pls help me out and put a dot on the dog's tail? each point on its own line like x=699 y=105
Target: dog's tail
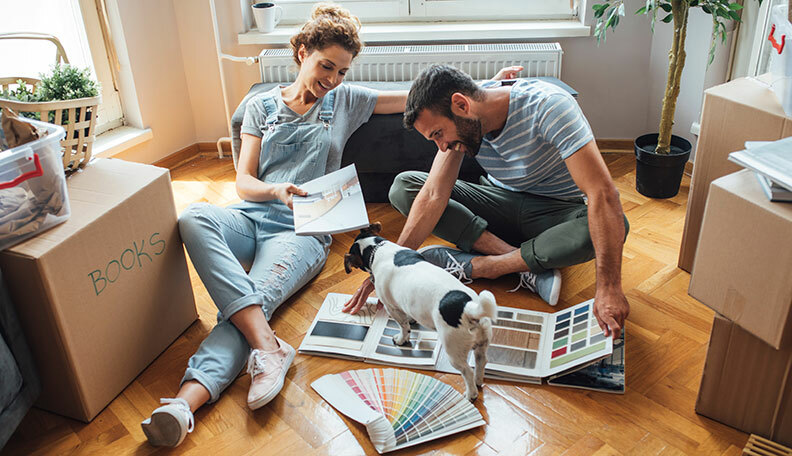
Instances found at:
x=486 y=307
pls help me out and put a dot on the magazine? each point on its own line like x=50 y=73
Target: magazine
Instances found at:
x=526 y=346
x=605 y=375
x=773 y=160
x=334 y=204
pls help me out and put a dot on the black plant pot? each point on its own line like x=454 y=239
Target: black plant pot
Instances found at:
x=659 y=175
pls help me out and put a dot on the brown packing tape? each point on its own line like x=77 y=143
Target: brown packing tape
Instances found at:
x=734 y=304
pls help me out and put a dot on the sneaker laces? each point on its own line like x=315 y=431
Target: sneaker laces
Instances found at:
x=257 y=363
x=527 y=280
x=455 y=268
x=183 y=407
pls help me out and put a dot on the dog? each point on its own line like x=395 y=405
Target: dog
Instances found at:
x=411 y=288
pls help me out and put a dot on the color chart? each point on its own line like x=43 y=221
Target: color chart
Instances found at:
x=529 y=346
x=399 y=408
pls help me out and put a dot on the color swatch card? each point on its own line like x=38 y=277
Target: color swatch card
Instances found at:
x=529 y=346
x=605 y=375
x=399 y=408
x=526 y=346
x=367 y=335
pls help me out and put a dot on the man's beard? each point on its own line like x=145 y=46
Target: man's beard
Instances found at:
x=469 y=132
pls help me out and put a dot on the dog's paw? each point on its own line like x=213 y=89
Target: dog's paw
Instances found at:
x=399 y=340
x=472 y=395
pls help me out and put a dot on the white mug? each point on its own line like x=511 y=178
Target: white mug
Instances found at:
x=267 y=16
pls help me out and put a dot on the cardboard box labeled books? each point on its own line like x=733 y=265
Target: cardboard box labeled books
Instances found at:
x=100 y=296
x=747 y=384
x=735 y=112
x=743 y=267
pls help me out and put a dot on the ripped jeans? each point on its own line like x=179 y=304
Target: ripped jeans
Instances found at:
x=224 y=243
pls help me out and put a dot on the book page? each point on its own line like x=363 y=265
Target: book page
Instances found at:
x=334 y=204
x=518 y=337
x=334 y=332
x=605 y=375
x=576 y=339
x=422 y=350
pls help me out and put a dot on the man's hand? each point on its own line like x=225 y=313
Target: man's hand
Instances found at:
x=507 y=73
x=285 y=191
x=359 y=298
x=611 y=309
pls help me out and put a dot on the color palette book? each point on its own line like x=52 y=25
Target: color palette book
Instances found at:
x=526 y=346
x=529 y=346
x=367 y=335
x=605 y=375
x=399 y=408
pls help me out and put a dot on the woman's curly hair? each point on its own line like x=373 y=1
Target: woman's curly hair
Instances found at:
x=329 y=24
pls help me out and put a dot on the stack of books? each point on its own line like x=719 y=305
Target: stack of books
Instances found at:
x=771 y=161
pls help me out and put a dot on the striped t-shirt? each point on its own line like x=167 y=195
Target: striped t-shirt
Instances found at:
x=544 y=127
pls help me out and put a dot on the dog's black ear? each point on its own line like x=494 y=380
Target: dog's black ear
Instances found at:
x=372 y=229
x=352 y=261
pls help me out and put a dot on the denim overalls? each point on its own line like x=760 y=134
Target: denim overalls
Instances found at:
x=259 y=237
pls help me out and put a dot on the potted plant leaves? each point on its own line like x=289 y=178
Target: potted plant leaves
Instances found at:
x=67 y=96
x=661 y=157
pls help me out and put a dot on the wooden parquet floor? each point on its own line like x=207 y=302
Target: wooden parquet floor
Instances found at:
x=667 y=336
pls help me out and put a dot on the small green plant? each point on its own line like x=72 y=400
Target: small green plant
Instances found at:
x=607 y=14
x=65 y=82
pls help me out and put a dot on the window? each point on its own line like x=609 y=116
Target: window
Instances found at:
x=297 y=11
x=76 y=24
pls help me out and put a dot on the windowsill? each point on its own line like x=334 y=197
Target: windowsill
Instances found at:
x=437 y=31
x=119 y=139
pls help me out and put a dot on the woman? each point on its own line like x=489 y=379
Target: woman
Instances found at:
x=290 y=135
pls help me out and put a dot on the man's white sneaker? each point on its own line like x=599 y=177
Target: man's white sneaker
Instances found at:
x=547 y=285
x=169 y=424
x=267 y=373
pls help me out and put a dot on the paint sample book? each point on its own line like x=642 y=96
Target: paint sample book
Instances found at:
x=526 y=346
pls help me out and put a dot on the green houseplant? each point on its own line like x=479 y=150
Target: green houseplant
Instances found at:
x=66 y=96
x=661 y=157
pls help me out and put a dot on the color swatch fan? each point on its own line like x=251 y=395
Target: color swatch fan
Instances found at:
x=399 y=408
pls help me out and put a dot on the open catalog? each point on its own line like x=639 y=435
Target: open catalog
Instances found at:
x=334 y=204
x=526 y=346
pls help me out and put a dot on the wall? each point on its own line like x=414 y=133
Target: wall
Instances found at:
x=156 y=65
x=619 y=82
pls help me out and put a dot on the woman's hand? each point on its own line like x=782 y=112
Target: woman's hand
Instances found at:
x=508 y=73
x=285 y=192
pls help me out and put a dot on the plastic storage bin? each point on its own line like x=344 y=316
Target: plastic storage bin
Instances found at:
x=33 y=194
x=780 y=37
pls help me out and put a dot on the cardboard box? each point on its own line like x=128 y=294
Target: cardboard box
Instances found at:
x=103 y=294
x=735 y=112
x=743 y=267
x=747 y=384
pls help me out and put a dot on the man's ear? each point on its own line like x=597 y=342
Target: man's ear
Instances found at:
x=460 y=104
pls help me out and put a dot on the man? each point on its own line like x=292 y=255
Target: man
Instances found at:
x=541 y=159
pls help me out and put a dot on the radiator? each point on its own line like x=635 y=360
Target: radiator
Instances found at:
x=403 y=63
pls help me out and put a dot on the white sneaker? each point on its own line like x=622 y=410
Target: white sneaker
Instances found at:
x=169 y=424
x=547 y=285
x=267 y=373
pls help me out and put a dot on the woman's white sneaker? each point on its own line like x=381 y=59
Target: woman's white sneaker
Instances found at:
x=169 y=424
x=267 y=373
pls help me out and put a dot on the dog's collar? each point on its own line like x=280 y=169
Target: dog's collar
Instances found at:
x=371 y=258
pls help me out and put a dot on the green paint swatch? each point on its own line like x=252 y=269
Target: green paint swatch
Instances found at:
x=559 y=343
x=581 y=335
x=575 y=355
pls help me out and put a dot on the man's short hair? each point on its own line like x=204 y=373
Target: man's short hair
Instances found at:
x=432 y=89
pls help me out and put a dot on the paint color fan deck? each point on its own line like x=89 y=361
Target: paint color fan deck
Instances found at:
x=399 y=408
x=526 y=346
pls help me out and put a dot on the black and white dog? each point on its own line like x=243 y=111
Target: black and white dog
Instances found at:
x=411 y=288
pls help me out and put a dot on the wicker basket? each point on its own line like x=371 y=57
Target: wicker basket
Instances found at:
x=80 y=129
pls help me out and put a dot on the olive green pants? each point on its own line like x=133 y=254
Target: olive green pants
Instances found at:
x=551 y=233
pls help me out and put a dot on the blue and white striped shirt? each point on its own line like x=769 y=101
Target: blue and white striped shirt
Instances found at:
x=544 y=127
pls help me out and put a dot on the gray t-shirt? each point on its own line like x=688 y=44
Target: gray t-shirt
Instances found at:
x=353 y=107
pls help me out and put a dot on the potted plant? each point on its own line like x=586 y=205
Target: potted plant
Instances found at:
x=67 y=96
x=661 y=157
